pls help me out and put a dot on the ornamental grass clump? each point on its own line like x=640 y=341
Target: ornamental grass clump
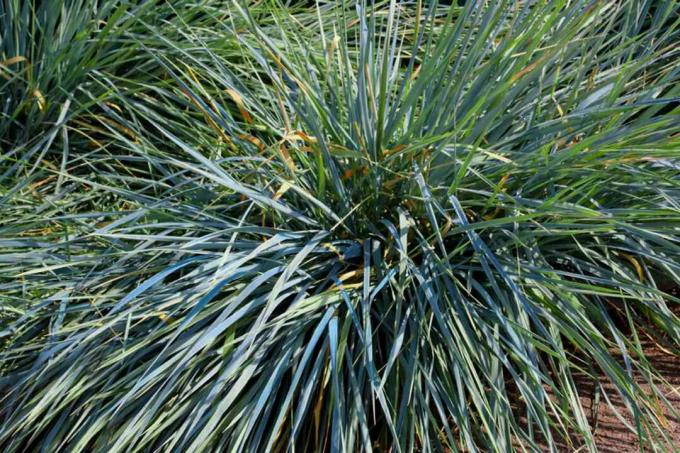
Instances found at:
x=343 y=226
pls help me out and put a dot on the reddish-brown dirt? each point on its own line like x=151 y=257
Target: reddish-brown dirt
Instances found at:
x=610 y=419
x=611 y=433
x=610 y=416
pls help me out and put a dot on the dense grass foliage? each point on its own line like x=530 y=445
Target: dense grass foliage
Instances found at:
x=343 y=226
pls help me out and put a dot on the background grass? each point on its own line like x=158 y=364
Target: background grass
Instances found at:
x=335 y=226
